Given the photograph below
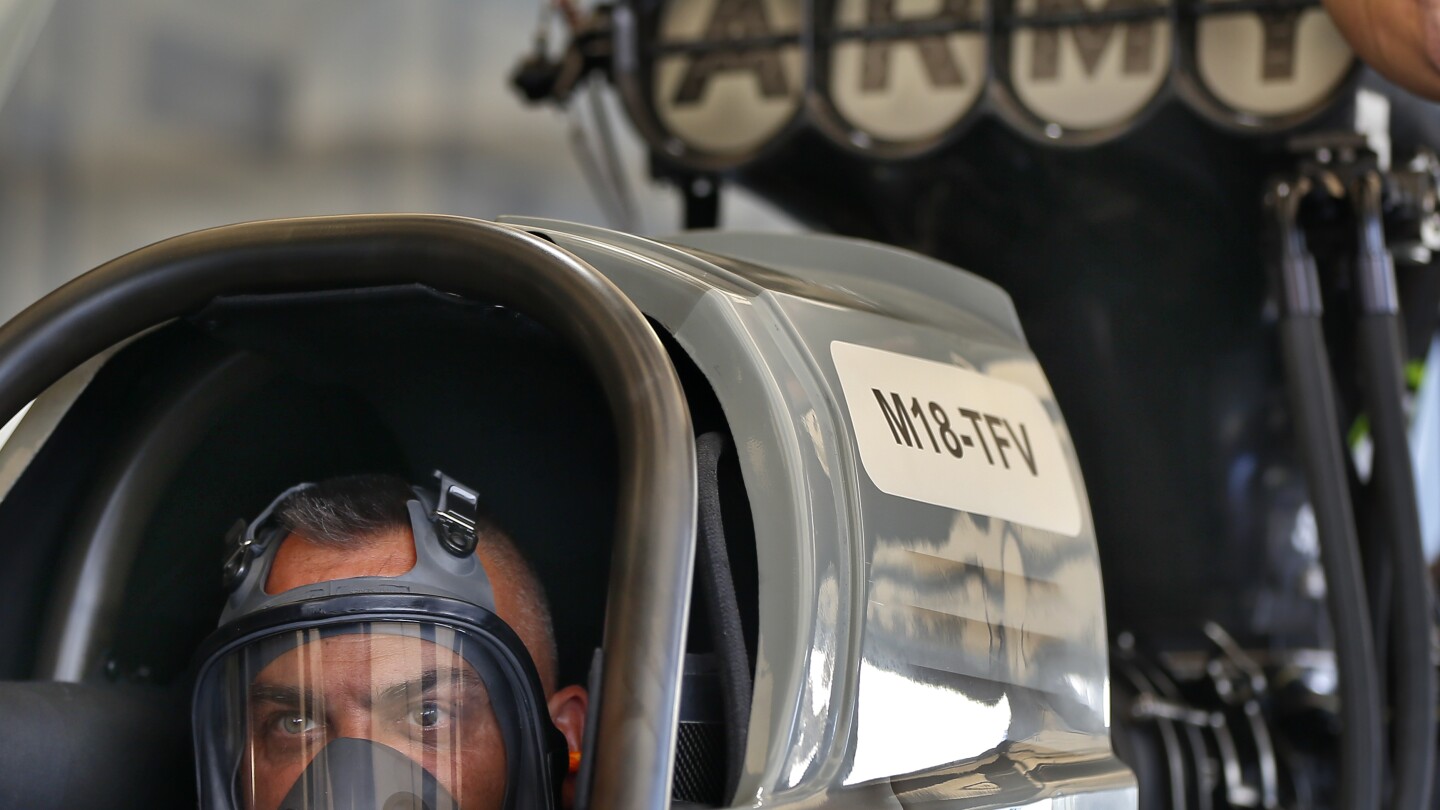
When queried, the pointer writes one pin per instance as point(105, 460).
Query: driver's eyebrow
point(427, 682)
point(280, 693)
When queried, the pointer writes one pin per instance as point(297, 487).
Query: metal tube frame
point(653, 557)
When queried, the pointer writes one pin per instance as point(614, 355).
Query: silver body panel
point(910, 653)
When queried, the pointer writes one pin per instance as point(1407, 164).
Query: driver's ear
point(567, 712)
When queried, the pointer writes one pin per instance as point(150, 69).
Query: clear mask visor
point(389, 715)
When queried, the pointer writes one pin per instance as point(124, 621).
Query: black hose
point(1312, 398)
point(1413, 695)
point(1312, 401)
point(717, 588)
point(1412, 709)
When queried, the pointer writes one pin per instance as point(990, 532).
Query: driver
point(382, 647)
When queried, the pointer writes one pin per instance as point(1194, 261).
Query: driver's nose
point(356, 724)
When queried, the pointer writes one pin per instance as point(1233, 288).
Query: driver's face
point(412, 695)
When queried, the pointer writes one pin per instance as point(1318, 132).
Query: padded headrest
point(101, 747)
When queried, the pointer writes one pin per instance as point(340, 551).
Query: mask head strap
point(445, 528)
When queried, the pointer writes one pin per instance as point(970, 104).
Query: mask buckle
point(456, 514)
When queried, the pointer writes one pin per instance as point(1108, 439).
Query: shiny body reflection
point(910, 654)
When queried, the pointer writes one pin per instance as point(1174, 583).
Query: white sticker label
point(1089, 75)
point(940, 434)
point(737, 96)
point(910, 89)
point(1272, 64)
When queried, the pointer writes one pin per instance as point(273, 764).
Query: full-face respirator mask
point(388, 692)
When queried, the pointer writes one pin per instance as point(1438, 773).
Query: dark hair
point(348, 511)
point(339, 511)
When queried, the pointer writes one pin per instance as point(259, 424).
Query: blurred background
point(127, 121)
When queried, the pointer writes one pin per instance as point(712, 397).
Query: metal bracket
point(457, 512)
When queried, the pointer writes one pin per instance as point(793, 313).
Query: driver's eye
point(295, 724)
point(428, 715)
